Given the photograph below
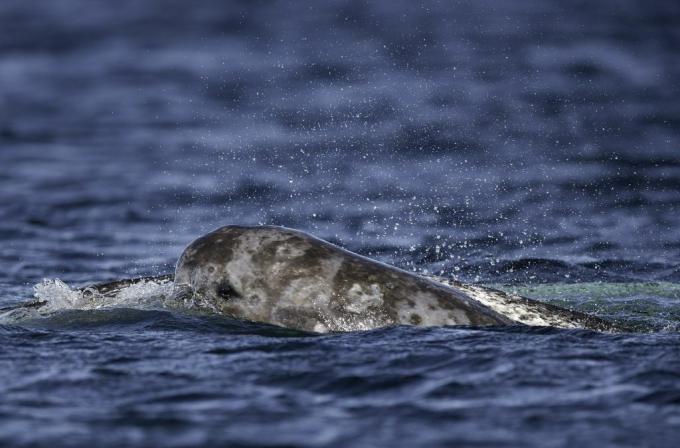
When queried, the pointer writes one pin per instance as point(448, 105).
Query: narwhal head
point(245, 272)
point(202, 269)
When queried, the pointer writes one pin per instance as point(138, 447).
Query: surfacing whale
point(289, 278)
point(292, 279)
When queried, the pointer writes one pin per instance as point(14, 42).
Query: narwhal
point(289, 278)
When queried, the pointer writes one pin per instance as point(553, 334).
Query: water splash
point(644, 305)
point(57, 295)
point(54, 296)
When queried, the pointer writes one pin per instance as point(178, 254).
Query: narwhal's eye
point(226, 292)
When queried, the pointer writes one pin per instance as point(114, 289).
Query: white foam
point(511, 306)
point(59, 296)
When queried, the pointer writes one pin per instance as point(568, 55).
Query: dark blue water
point(529, 145)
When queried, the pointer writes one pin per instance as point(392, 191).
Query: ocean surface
point(532, 146)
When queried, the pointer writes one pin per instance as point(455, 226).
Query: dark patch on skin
point(204, 247)
point(415, 319)
point(205, 250)
point(225, 291)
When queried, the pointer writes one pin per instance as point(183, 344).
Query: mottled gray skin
point(289, 278)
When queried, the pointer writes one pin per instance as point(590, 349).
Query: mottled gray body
point(289, 278)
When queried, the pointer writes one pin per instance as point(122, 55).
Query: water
point(531, 146)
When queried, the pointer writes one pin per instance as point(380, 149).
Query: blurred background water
point(531, 145)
